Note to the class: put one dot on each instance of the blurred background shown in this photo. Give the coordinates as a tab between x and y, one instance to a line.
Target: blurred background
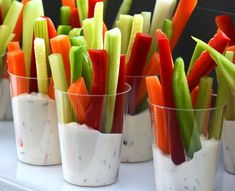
201	24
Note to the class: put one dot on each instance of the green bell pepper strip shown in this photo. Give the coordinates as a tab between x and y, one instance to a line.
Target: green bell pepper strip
76	60
65	14
184	112
63	29
168	28
75	32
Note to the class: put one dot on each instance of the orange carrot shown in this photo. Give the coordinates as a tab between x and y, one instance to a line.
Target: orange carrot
194	94
16	66
12	46
151	69
182	14
155	93
51	92
78	95
61	45
69	3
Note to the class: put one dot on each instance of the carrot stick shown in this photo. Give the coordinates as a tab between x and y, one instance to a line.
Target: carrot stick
182	14
74	18
12	46
69	3
155	93
61	45
194	94
17	67
78	95
51	92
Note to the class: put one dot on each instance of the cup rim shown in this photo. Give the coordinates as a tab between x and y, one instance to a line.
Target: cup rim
187	110
28	78
127	90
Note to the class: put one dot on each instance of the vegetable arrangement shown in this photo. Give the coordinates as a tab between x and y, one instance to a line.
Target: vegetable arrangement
178	130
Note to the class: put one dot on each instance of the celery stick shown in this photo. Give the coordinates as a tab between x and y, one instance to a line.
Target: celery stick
60	84
4	34
76	60
5	5
202	102
168	28
147	21
65	13
125	25
32	10
63	29
137	27
196	54
124	9
113	46
13	15
88	28
75	32
97	39
82	9
41	64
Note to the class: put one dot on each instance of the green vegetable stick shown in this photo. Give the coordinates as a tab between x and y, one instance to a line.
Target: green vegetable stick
33	9
5	5
124	9
88	28
76	60
113	46
147	21
41	64
125	25
97	39
13	15
202	102
65	13
82	9
184	113
168	28
137	27
64	29
4	34
75	32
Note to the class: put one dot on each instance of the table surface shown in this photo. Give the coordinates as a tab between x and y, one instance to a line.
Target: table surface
132	177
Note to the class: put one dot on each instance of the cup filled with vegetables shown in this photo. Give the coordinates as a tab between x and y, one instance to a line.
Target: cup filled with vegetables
224	22
187	117
140	45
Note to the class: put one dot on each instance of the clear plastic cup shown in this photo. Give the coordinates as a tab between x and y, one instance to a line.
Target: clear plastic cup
5	97
137	141
229	136
35	121
90	149
195	171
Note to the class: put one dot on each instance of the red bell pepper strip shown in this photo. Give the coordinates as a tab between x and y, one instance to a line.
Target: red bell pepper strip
205	64
120	99
69	3
224	23
166	71
91	9
99	59
51	28
135	66
194	94
74	18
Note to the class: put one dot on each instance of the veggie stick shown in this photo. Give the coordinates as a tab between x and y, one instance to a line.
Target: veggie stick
78	96
16	66
182	14
32	10
155	93
99	59
137	27
232	48
125	25
61	44
5	5
69	3
41	64
64	29
75	32
166	71
65	14
224	22
82	6
194	94
4	33
91	7
168	28
12	46
205	64
88	29
147	21
120	99
76	60
74	18
51	92
97	39
50	27
113	46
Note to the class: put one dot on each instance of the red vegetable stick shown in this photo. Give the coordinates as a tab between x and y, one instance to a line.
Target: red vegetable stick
61	44
119	105
99	59
224	22
182	14
81	100
155	93
33	83
135	66
74	18
204	65
69	3
51	92
166	70
91	7
194	94
151	69
12	46
16	66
